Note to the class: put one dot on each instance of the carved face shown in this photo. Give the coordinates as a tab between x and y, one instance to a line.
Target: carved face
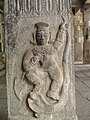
42	37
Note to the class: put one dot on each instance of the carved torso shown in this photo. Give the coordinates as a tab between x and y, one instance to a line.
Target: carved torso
46	53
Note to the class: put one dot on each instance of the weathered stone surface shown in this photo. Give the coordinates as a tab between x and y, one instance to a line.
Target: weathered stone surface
40	80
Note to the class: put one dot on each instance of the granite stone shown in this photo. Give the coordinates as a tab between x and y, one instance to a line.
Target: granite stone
40	77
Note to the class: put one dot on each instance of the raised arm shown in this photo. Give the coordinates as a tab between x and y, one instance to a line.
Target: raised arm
60	36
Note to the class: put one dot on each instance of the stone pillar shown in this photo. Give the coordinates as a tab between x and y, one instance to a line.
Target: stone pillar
1	32
79	37
40	79
87	36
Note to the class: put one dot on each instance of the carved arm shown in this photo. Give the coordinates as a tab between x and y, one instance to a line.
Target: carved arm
60	36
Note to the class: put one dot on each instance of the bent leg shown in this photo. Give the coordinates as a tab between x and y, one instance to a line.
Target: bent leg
33	77
56	76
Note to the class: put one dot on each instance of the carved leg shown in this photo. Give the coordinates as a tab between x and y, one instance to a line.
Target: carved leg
32	77
56	84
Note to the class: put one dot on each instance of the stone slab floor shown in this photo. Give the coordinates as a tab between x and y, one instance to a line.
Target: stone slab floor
82	93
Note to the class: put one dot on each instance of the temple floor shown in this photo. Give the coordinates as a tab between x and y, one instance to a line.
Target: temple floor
82	91
82	77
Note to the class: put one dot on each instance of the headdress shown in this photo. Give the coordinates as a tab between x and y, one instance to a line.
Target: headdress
42	26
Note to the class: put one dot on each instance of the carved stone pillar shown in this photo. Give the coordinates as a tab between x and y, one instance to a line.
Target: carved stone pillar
39	40
86	35
79	37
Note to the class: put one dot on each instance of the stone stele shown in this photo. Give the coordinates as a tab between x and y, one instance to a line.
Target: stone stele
38	42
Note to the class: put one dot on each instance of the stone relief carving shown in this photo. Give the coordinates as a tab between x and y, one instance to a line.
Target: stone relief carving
59	2
40	78
48	75
49	5
38	6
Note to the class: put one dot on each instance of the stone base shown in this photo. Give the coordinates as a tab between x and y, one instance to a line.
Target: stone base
50	117
47	119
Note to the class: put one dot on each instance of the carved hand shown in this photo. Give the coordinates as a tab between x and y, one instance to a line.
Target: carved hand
63	24
34	60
